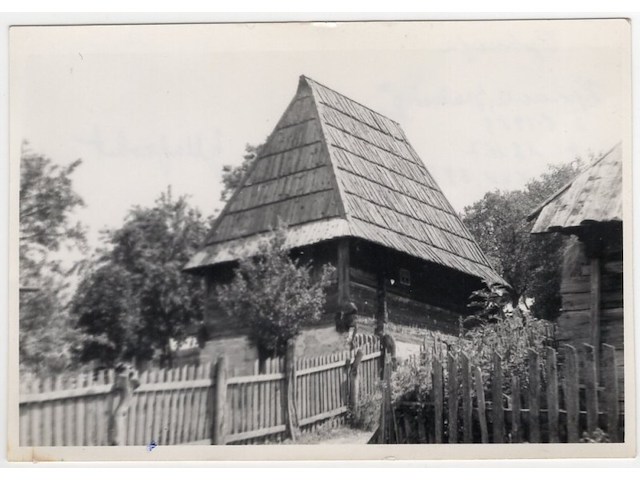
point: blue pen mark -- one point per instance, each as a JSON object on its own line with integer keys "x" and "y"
{"x": 151, "y": 446}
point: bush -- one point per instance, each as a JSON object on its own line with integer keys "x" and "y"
{"x": 495, "y": 327}
{"x": 367, "y": 413}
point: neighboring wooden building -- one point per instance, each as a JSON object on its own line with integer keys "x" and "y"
{"x": 353, "y": 193}
{"x": 590, "y": 207}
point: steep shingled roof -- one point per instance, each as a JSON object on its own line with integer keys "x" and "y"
{"x": 594, "y": 195}
{"x": 333, "y": 168}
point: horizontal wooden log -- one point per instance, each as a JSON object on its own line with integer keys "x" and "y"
{"x": 176, "y": 385}
{"x": 64, "y": 394}
{"x": 255, "y": 378}
{"x": 322, "y": 416}
{"x": 263, "y": 432}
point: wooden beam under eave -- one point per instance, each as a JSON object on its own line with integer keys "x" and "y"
{"x": 382, "y": 312}
{"x": 344, "y": 280}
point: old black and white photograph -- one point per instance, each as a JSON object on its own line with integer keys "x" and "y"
{"x": 355, "y": 237}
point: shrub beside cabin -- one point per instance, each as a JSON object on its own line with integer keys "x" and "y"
{"x": 355, "y": 194}
{"x": 590, "y": 208}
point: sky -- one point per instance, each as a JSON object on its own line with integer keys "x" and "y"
{"x": 487, "y": 105}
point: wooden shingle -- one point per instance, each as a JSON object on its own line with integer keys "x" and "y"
{"x": 334, "y": 168}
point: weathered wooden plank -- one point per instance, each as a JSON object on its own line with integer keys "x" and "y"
{"x": 102, "y": 413}
{"x": 269, "y": 377}
{"x": 610, "y": 380}
{"x": 552, "y": 395}
{"x": 438, "y": 400}
{"x": 237, "y": 437}
{"x": 591, "y": 385}
{"x": 467, "y": 407}
{"x": 47, "y": 417}
{"x": 452, "y": 367}
{"x": 58, "y": 415}
{"x": 79, "y": 416}
{"x": 34, "y": 412}
{"x": 155, "y": 414}
{"x": 516, "y": 414}
{"x": 534, "y": 397}
{"x": 595, "y": 309}
{"x": 482, "y": 407}
{"x": 219, "y": 429}
{"x": 344, "y": 295}
{"x": 187, "y": 431}
{"x": 25, "y": 426}
{"x": 497, "y": 408}
{"x": 572, "y": 399}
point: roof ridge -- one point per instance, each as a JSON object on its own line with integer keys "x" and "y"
{"x": 309, "y": 79}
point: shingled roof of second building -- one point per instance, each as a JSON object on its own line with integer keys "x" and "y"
{"x": 333, "y": 168}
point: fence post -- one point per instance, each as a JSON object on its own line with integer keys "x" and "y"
{"x": 497, "y": 408}
{"x": 552, "y": 395}
{"x": 354, "y": 385}
{"x": 293, "y": 428}
{"x": 124, "y": 385}
{"x": 534, "y": 397}
{"x": 610, "y": 377}
{"x": 591, "y": 385}
{"x": 571, "y": 393}
{"x": 220, "y": 395}
{"x": 452, "y": 380}
{"x": 467, "y": 407}
{"x": 482, "y": 408}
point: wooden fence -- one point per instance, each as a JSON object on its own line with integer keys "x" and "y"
{"x": 562, "y": 402}
{"x": 195, "y": 404}
{"x": 169, "y": 407}
{"x": 256, "y": 405}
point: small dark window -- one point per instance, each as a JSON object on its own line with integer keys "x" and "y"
{"x": 405, "y": 277}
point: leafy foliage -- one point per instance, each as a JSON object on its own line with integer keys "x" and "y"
{"x": 494, "y": 327}
{"x": 275, "y": 294}
{"x": 137, "y": 299}
{"x": 530, "y": 263}
{"x": 232, "y": 176}
{"x": 47, "y": 205}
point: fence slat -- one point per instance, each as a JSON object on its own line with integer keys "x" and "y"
{"x": 516, "y": 415}
{"x": 497, "y": 408}
{"x": 452, "y": 366}
{"x": 438, "y": 400}
{"x": 590, "y": 384}
{"x": 552, "y": 395}
{"x": 35, "y": 415}
{"x": 467, "y": 407}
{"x": 610, "y": 378}
{"x": 482, "y": 407}
{"x": 47, "y": 419}
{"x": 58, "y": 425}
{"x": 572, "y": 400}
{"x": 79, "y": 415}
{"x": 534, "y": 397}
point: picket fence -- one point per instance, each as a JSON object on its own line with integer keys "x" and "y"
{"x": 562, "y": 402}
{"x": 178, "y": 406}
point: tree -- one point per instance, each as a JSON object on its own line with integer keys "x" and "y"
{"x": 530, "y": 263}
{"x": 232, "y": 176}
{"x": 275, "y": 294}
{"x": 137, "y": 299}
{"x": 47, "y": 231}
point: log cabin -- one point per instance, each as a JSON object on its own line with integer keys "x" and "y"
{"x": 353, "y": 193}
{"x": 589, "y": 208}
